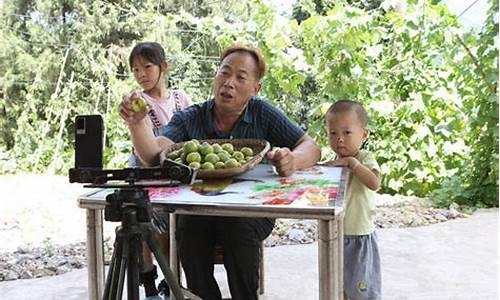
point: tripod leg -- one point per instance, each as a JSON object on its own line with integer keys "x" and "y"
{"x": 113, "y": 271}
{"x": 164, "y": 266}
{"x": 121, "y": 269}
{"x": 133, "y": 268}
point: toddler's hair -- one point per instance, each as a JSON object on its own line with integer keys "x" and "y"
{"x": 348, "y": 105}
{"x": 150, "y": 51}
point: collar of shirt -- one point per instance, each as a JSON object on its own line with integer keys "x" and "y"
{"x": 246, "y": 118}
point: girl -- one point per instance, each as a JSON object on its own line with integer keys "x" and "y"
{"x": 149, "y": 66}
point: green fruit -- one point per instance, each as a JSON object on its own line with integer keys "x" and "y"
{"x": 228, "y": 147}
{"x": 238, "y": 155}
{"x": 182, "y": 156}
{"x": 193, "y": 157}
{"x": 206, "y": 148}
{"x": 220, "y": 165}
{"x": 207, "y": 166}
{"x": 139, "y": 105}
{"x": 232, "y": 163}
{"x": 190, "y": 147}
{"x": 173, "y": 155}
{"x": 248, "y": 158}
{"x": 212, "y": 157}
{"x": 196, "y": 141}
{"x": 242, "y": 161}
{"x": 247, "y": 151}
{"x": 195, "y": 165}
{"x": 217, "y": 148}
{"x": 224, "y": 156}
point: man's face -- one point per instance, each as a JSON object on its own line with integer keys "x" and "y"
{"x": 235, "y": 82}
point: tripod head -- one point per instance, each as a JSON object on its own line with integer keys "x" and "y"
{"x": 130, "y": 191}
{"x": 89, "y": 135}
{"x": 169, "y": 170}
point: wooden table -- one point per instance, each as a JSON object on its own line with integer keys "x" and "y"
{"x": 315, "y": 193}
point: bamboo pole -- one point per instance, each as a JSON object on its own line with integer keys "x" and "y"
{"x": 46, "y": 128}
{"x": 101, "y": 88}
{"x": 108, "y": 98}
{"x": 62, "y": 124}
{"x": 476, "y": 63}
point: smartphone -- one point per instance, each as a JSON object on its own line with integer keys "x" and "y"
{"x": 89, "y": 130}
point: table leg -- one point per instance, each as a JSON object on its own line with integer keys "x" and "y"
{"x": 340, "y": 228}
{"x": 328, "y": 259}
{"x": 174, "y": 263}
{"x": 95, "y": 254}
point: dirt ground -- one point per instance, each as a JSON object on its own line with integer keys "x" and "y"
{"x": 39, "y": 210}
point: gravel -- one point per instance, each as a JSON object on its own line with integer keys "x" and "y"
{"x": 43, "y": 231}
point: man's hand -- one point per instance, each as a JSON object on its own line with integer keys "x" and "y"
{"x": 126, "y": 111}
{"x": 283, "y": 159}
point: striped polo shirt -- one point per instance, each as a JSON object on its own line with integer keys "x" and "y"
{"x": 259, "y": 120}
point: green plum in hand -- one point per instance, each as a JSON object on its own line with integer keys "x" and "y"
{"x": 139, "y": 105}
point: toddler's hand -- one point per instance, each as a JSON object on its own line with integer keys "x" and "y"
{"x": 342, "y": 162}
{"x": 129, "y": 116}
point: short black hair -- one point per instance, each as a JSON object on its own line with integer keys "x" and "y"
{"x": 349, "y": 105}
{"x": 151, "y": 51}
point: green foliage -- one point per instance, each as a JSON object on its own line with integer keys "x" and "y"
{"x": 383, "y": 60}
{"x": 477, "y": 79}
{"x": 433, "y": 105}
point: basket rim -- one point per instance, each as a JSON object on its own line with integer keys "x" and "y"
{"x": 224, "y": 173}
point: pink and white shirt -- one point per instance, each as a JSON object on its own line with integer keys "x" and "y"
{"x": 161, "y": 111}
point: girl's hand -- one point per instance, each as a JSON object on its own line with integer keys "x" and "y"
{"x": 129, "y": 116}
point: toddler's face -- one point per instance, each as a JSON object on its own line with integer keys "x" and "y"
{"x": 345, "y": 133}
{"x": 145, "y": 73}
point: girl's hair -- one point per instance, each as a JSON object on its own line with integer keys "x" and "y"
{"x": 349, "y": 105}
{"x": 151, "y": 51}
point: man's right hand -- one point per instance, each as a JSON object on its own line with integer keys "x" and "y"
{"x": 283, "y": 159}
{"x": 129, "y": 116}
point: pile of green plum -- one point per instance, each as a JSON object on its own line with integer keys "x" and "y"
{"x": 211, "y": 156}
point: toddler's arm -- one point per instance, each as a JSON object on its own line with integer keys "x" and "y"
{"x": 368, "y": 177}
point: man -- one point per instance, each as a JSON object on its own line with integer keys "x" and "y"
{"x": 235, "y": 112}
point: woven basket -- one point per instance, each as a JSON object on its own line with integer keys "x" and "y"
{"x": 259, "y": 147}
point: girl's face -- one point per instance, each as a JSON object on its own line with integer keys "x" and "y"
{"x": 146, "y": 73}
{"x": 345, "y": 133}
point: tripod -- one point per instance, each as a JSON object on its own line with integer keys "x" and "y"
{"x": 131, "y": 206}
